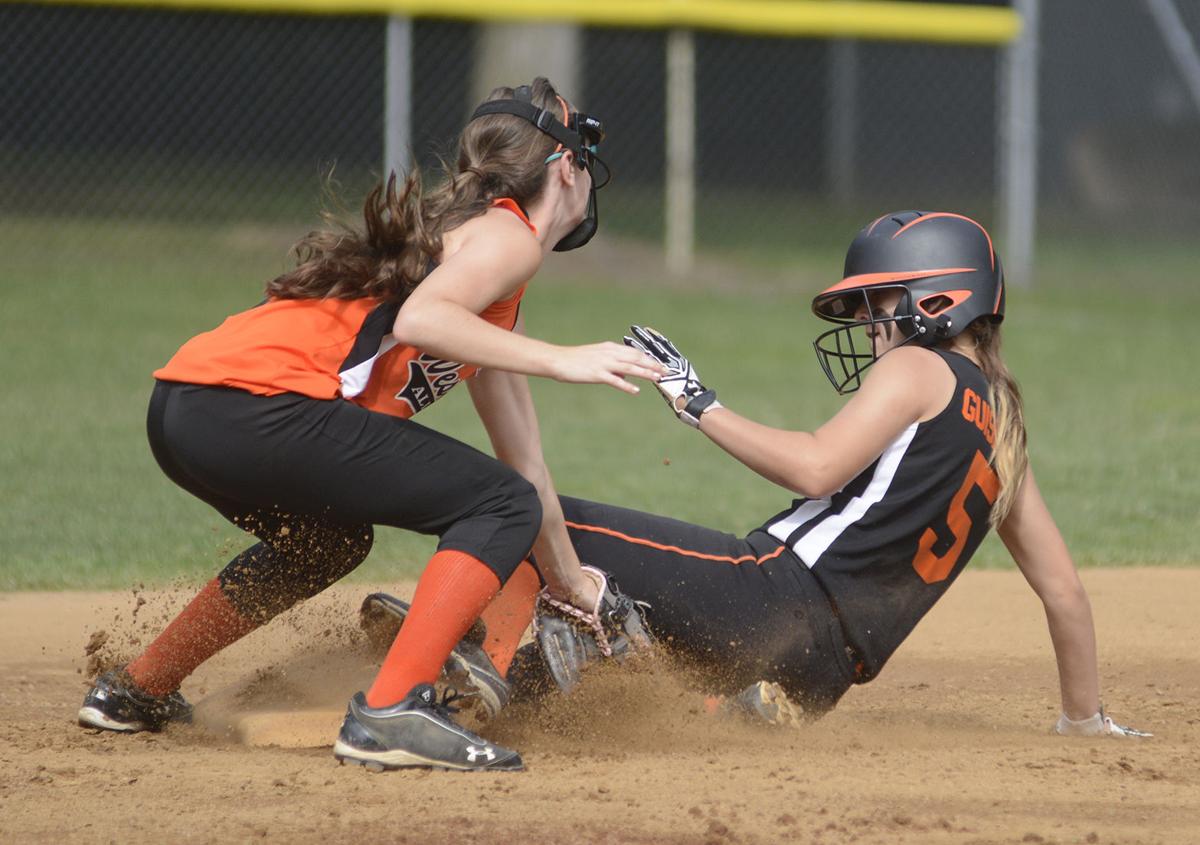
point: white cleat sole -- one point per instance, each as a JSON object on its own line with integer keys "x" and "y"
{"x": 380, "y": 761}
{"x": 90, "y": 717}
{"x": 464, "y": 674}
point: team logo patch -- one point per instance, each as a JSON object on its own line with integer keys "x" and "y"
{"x": 428, "y": 380}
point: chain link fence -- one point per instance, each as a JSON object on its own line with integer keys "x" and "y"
{"x": 136, "y": 113}
{"x": 1120, "y": 131}
{"x": 115, "y": 113}
{"x": 800, "y": 141}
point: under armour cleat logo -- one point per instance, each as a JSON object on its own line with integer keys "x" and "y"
{"x": 474, "y": 753}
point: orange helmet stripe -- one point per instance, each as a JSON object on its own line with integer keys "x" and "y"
{"x": 871, "y": 279}
{"x": 956, "y": 297}
{"x": 911, "y": 223}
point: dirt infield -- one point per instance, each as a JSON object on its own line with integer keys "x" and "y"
{"x": 950, "y": 744}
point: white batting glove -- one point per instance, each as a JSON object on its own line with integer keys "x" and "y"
{"x": 680, "y": 387}
{"x": 1097, "y": 725}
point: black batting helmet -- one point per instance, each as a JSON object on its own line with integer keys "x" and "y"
{"x": 946, "y": 269}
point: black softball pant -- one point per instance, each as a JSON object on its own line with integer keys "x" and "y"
{"x": 310, "y": 478}
{"x": 738, "y": 609}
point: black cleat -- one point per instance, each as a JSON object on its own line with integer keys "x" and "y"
{"x": 417, "y": 733}
{"x": 116, "y": 704}
{"x": 468, "y": 668}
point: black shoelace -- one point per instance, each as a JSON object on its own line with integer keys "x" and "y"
{"x": 445, "y": 707}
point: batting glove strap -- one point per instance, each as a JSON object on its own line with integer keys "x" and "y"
{"x": 697, "y": 406}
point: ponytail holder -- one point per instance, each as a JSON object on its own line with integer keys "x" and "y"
{"x": 489, "y": 181}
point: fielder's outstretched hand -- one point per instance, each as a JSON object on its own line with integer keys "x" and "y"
{"x": 680, "y": 387}
{"x": 1098, "y": 725}
{"x": 604, "y": 363}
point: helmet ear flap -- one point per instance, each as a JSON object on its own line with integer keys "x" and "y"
{"x": 908, "y": 324}
{"x": 910, "y": 321}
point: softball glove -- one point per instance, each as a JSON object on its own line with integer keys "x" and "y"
{"x": 570, "y": 638}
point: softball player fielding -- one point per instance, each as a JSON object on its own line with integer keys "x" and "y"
{"x": 292, "y": 419}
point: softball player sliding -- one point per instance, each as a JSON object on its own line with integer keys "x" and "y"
{"x": 898, "y": 489}
{"x": 292, "y": 419}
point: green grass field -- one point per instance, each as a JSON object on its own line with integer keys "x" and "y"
{"x": 1102, "y": 345}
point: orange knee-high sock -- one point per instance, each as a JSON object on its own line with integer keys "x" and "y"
{"x": 453, "y": 589}
{"x": 208, "y": 624}
{"x": 509, "y": 615}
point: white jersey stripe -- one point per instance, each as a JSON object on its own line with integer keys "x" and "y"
{"x": 354, "y": 380}
{"x": 783, "y": 529}
{"x": 812, "y": 545}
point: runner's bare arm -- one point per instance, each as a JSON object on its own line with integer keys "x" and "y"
{"x": 1037, "y": 546}
{"x": 822, "y": 462}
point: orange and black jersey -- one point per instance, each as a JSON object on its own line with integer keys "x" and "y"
{"x": 384, "y": 375}
{"x": 887, "y": 545}
{"x": 328, "y": 348}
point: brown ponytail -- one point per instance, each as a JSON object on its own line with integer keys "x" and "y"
{"x": 1009, "y": 455}
{"x": 498, "y": 156}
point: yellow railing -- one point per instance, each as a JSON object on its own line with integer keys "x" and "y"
{"x": 928, "y": 22}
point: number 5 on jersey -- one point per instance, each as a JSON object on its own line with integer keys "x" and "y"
{"x": 933, "y": 567}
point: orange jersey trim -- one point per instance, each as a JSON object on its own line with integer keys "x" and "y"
{"x": 641, "y": 541}
{"x": 511, "y": 205}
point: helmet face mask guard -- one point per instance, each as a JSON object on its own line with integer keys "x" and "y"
{"x": 575, "y": 132}
{"x": 838, "y": 350}
{"x": 946, "y": 271}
